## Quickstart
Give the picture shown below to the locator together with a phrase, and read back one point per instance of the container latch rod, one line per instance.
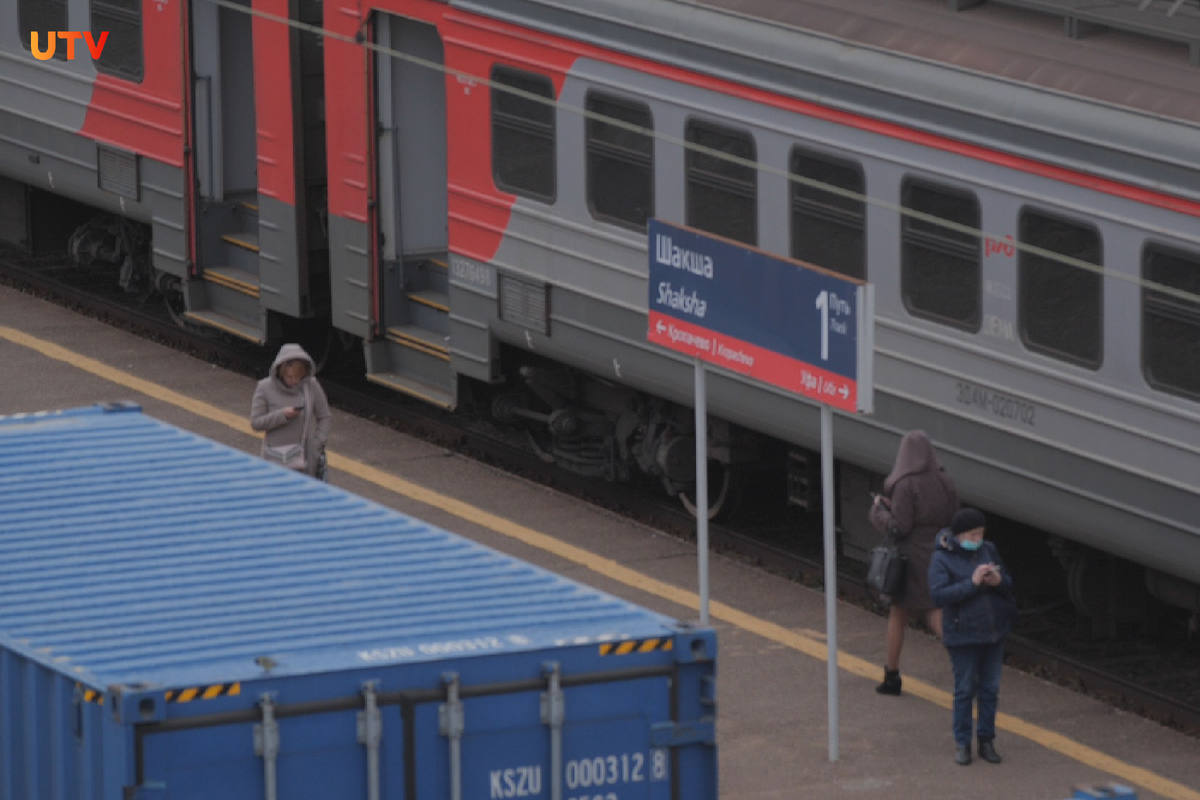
(553, 712)
(370, 733)
(266, 743)
(450, 724)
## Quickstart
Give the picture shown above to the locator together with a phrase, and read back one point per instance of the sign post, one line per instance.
(701, 404)
(776, 320)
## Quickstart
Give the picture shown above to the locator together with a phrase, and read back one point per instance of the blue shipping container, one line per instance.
(182, 620)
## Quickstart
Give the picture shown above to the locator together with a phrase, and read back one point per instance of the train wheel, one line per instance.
(322, 345)
(1109, 591)
(720, 479)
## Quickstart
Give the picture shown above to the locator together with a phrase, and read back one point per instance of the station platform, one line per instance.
(772, 726)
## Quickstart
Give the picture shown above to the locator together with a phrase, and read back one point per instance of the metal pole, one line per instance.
(370, 734)
(266, 744)
(553, 713)
(830, 575)
(702, 487)
(450, 724)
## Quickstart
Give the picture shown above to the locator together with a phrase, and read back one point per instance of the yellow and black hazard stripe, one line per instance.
(635, 646)
(89, 695)
(203, 692)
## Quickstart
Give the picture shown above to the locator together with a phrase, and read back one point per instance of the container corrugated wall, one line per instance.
(179, 619)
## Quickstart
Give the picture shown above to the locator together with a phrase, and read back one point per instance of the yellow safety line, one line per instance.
(1059, 743)
(122, 378)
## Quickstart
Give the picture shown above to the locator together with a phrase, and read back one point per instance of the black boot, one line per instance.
(891, 682)
(987, 752)
(962, 755)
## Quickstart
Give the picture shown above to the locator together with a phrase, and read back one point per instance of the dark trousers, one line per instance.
(976, 678)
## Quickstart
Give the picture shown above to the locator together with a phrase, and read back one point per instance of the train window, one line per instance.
(1059, 304)
(722, 195)
(939, 266)
(46, 17)
(620, 161)
(122, 54)
(1171, 324)
(523, 134)
(828, 229)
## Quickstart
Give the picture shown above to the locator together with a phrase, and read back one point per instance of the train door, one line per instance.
(413, 355)
(263, 255)
(223, 289)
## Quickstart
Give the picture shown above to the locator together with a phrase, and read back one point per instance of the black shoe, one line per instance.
(987, 752)
(962, 755)
(891, 682)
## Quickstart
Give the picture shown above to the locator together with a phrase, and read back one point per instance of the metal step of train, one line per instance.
(225, 295)
(413, 356)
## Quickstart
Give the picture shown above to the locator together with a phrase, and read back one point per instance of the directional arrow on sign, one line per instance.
(660, 327)
(844, 391)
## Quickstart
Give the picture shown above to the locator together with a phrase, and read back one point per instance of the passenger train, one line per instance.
(462, 188)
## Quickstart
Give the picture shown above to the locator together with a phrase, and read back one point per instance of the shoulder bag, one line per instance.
(886, 573)
(294, 456)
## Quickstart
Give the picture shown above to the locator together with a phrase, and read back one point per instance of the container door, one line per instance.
(635, 734)
(330, 750)
(595, 737)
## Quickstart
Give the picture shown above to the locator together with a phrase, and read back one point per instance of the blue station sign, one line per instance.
(777, 320)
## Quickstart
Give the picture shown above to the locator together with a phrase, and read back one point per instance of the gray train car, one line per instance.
(179, 142)
(1017, 179)
(1047, 337)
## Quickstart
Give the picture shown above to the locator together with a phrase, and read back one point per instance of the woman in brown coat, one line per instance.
(918, 501)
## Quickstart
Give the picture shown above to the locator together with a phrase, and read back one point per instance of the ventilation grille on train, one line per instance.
(119, 172)
(525, 304)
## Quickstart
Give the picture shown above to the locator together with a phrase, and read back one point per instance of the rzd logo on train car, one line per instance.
(94, 47)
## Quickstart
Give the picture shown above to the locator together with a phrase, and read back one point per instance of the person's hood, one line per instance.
(946, 540)
(291, 352)
(914, 456)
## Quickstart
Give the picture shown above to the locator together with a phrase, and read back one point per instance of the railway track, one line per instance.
(473, 435)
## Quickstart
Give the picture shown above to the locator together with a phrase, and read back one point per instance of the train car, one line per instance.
(1024, 202)
(181, 619)
(179, 141)
(1017, 178)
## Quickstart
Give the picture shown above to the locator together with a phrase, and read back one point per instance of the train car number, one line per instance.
(998, 403)
(472, 272)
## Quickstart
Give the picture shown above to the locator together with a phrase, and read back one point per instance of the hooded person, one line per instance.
(290, 406)
(918, 501)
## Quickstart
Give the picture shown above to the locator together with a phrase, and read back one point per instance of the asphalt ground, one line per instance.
(772, 727)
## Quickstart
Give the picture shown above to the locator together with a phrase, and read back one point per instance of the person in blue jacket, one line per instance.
(969, 582)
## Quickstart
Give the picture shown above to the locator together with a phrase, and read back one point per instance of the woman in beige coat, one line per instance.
(918, 501)
(291, 407)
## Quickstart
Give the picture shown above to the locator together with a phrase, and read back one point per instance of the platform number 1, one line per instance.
(823, 304)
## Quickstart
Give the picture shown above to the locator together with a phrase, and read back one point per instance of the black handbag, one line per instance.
(886, 574)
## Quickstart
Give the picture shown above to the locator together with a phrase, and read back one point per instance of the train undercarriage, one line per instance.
(605, 430)
(609, 431)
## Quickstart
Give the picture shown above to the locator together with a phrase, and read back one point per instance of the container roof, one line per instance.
(135, 552)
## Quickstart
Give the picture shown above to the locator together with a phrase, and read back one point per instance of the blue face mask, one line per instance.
(971, 545)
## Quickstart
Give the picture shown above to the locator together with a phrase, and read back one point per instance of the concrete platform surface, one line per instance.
(772, 723)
